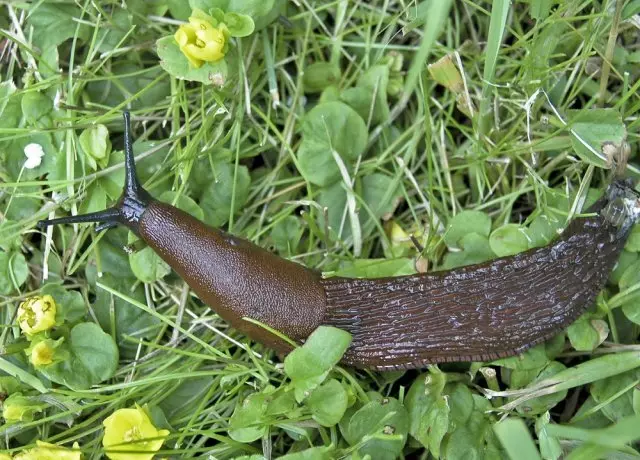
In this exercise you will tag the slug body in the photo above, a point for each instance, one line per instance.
(235, 277)
(474, 313)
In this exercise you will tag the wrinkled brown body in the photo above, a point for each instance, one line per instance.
(474, 313)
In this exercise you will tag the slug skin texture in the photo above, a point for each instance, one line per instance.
(479, 312)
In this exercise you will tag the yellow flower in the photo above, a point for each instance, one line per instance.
(18, 408)
(131, 430)
(200, 42)
(46, 451)
(41, 353)
(37, 314)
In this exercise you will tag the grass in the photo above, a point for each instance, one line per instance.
(514, 134)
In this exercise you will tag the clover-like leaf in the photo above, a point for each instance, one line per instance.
(330, 127)
(239, 25)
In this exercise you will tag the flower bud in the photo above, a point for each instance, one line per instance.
(18, 408)
(37, 314)
(42, 352)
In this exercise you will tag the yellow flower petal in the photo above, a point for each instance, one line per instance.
(197, 63)
(200, 42)
(211, 52)
(185, 34)
(37, 314)
(42, 353)
(199, 24)
(131, 430)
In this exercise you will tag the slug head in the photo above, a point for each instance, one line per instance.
(129, 207)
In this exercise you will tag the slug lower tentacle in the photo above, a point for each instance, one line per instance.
(474, 313)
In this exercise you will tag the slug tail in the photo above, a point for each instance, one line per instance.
(131, 204)
(487, 311)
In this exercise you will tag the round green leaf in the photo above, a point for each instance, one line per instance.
(245, 423)
(320, 75)
(359, 98)
(7, 88)
(92, 358)
(96, 199)
(313, 453)
(385, 422)
(125, 318)
(584, 336)
(592, 129)
(70, 304)
(464, 223)
(328, 403)
(239, 25)
(429, 411)
(379, 193)
(377, 268)
(308, 365)
(334, 198)
(615, 394)
(176, 64)
(542, 230)
(630, 278)
(327, 128)
(475, 250)
(286, 235)
(147, 265)
(186, 397)
(9, 239)
(625, 260)
(376, 81)
(37, 108)
(508, 240)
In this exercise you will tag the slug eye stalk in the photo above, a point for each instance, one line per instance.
(131, 204)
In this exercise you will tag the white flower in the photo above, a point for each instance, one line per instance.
(34, 154)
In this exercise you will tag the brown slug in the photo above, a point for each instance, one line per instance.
(473, 313)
